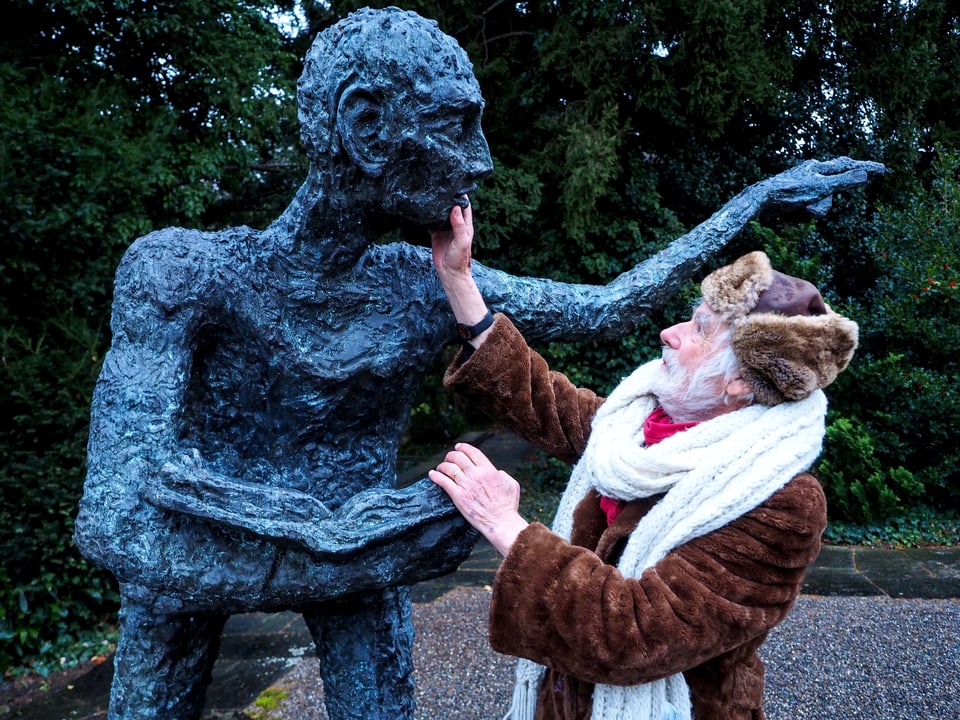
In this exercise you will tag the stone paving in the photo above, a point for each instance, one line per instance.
(260, 651)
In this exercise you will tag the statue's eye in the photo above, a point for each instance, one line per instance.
(450, 128)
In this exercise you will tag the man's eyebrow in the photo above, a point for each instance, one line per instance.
(704, 318)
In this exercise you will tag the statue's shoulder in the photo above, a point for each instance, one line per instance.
(175, 266)
(402, 256)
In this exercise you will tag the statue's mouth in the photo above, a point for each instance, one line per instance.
(461, 198)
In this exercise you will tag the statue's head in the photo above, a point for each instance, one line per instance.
(390, 107)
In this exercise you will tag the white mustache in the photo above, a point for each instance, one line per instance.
(669, 356)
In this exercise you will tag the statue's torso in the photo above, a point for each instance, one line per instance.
(310, 374)
(279, 377)
(317, 379)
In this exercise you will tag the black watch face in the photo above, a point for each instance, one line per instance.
(464, 332)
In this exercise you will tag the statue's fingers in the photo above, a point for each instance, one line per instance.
(172, 476)
(833, 166)
(186, 481)
(843, 165)
(848, 179)
(873, 168)
(162, 496)
(820, 208)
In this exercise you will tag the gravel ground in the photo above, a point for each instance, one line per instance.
(839, 658)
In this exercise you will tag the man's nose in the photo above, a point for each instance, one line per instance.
(670, 336)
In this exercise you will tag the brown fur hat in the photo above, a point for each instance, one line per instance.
(788, 341)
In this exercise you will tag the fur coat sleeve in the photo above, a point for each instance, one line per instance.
(512, 383)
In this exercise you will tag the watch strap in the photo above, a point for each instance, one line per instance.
(469, 332)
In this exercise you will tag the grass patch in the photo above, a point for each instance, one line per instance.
(68, 653)
(268, 701)
(921, 526)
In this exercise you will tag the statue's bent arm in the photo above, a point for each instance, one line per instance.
(368, 519)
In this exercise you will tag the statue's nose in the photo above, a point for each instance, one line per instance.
(480, 164)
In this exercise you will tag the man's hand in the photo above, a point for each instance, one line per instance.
(451, 257)
(452, 248)
(488, 498)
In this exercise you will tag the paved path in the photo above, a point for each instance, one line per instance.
(876, 635)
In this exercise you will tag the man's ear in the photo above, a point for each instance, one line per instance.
(738, 387)
(362, 130)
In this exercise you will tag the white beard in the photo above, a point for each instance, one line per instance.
(685, 395)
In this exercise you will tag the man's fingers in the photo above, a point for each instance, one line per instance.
(474, 454)
(441, 479)
(456, 217)
(455, 470)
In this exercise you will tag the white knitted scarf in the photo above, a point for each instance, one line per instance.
(711, 473)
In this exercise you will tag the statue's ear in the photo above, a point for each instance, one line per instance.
(362, 131)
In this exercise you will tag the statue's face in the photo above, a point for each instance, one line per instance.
(441, 154)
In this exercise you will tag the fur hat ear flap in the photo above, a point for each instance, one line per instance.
(788, 357)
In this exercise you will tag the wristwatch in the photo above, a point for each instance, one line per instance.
(469, 332)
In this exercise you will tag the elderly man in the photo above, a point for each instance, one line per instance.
(689, 520)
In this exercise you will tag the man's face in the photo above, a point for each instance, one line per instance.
(691, 387)
(441, 154)
(691, 342)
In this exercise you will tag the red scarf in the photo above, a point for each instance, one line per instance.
(658, 426)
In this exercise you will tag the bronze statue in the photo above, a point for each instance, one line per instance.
(245, 425)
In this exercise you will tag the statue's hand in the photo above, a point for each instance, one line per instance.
(812, 184)
(379, 515)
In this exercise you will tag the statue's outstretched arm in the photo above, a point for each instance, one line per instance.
(545, 309)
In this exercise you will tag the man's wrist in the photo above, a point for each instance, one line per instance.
(505, 534)
(455, 278)
(465, 299)
(469, 332)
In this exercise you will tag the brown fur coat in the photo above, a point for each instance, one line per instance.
(703, 610)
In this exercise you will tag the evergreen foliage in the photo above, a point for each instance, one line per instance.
(615, 125)
(893, 443)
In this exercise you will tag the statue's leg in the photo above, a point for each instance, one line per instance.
(163, 662)
(365, 646)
